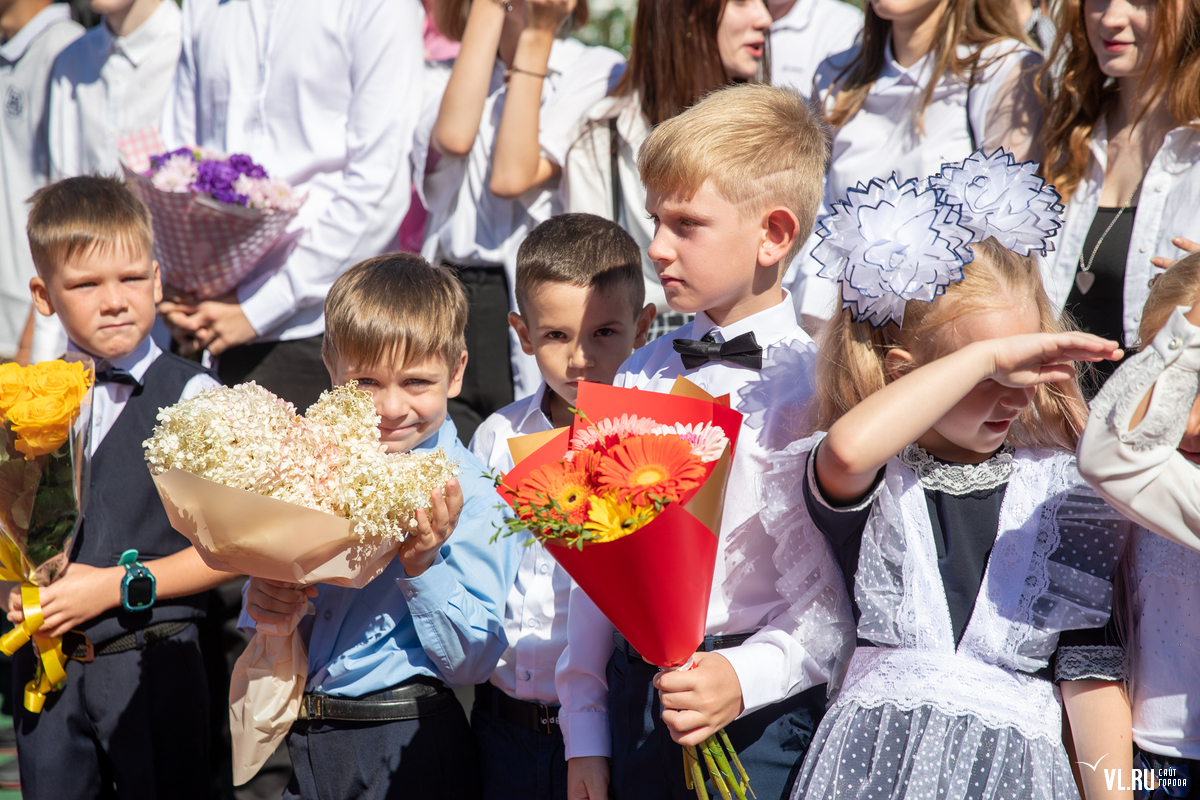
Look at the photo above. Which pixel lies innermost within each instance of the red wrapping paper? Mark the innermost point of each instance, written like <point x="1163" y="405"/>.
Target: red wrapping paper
<point x="654" y="584"/>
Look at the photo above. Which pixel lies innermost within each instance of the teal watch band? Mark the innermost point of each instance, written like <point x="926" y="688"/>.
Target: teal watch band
<point x="138" y="585"/>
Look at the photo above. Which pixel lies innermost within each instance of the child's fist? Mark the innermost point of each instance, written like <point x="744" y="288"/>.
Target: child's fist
<point x="274" y="602"/>
<point x="419" y="550"/>
<point x="700" y="701"/>
<point x="547" y="15"/>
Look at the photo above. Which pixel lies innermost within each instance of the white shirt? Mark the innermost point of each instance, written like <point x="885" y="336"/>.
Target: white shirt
<point x="109" y="399"/>
<point x="25" y="63"/>
<point x="772" y="664"/>
<point x="535" y="614"/>
<point x="587" y="178"/>
<point x="809" y="33"/>
<point x="470" y="226"/>
<point x="104" y="85"/>
<point x="1165" y="209"/>
<point x="881" y="138"/>
<point x="1142" y="474"/>
<point x="324" y="94"/>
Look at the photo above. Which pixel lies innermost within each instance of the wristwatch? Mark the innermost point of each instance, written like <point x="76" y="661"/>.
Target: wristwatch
<point x="137" y="587"/>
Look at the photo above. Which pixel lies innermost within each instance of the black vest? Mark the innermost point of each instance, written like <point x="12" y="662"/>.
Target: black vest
<point x="124" y="510"/>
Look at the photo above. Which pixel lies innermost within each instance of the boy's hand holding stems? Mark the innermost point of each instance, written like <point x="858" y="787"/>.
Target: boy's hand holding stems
<point x="274" y="602"/>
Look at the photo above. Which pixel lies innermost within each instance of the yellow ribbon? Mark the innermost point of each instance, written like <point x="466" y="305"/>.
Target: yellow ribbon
<point x="49" y="648"/>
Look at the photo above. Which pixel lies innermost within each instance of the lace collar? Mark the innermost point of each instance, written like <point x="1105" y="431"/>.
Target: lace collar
<point x="959" y="479"/>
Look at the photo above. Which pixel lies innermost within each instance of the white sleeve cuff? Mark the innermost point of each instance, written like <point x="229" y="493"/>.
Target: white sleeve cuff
<point x="586" y="733"/>
<point x="267" y="300"/>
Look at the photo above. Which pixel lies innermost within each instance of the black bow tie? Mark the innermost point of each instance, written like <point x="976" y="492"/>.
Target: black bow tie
<point x="741" y="350"/>
<point x="117" y="375"/>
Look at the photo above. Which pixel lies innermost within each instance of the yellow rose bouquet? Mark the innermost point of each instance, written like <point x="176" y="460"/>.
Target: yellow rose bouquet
<point x="46" y="414"/>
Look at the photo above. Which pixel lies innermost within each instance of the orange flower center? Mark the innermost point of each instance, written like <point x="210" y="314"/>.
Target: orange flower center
<point x="647" y="475"/>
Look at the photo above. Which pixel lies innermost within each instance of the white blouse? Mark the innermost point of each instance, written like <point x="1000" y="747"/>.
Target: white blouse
<point x="808" y="34"/>
<point x="882" y="138"/>
<point x="1166" y="209"/>
<point x="587" y="177"/>
<point x="1142" y="474"/>
<point x="470" y="226"/>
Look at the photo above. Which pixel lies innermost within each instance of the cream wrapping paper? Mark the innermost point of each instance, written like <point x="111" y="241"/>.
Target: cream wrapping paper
<point x="250" y="534"/>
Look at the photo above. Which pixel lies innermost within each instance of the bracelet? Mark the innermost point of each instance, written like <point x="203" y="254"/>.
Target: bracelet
<point x="507" y="6"/>
<point x="518" y="71"/>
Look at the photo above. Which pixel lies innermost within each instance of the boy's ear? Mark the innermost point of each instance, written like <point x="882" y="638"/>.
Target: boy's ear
<point x="41" y="296"/>
<point x="456" y="377"/>
<point x="781" y="228"/>
<point x="518" y="325"/>
<point x="897" y="363"/>
<point x="158" y="292"/>
<point x="643" y="325"/>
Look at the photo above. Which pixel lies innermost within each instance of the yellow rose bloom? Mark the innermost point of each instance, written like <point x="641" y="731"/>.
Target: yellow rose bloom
<point x="68" y="380"/>
<point x="610" y="519"/>
<point x="42" y="424"/>
<point x="12" y="386"/>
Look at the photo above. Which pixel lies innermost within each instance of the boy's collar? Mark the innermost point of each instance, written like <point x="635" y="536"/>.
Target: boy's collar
<point x="444" y="437"/>
<point x="135" y="363"/>
<point x="12" y="49"/>
<point x="770" y="326"/>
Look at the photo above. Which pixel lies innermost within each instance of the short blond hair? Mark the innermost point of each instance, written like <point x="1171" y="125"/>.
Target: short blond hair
<point x="760" y="146"/>
<point x="90" y="213"/>
<point x="1178" y="286"/>
<point x="395" y="307"/>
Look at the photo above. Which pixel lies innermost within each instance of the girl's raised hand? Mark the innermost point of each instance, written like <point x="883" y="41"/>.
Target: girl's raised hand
<point x="1036" y="358"/>
<point x="547" y="15"/>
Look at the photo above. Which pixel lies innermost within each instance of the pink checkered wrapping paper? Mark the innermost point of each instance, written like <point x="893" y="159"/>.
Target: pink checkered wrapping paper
<point x="204" y="248"/>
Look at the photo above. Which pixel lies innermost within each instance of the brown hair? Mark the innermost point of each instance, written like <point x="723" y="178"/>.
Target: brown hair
<point x="850" y="362"/>
<point x="1076" y="93"/>
<point x="450" y="17"/>
<point x="395" y="307"/>
<point x="1178" y="286"/>
<point x="760" y="146"/>
<point x="581" y="250"/>
<point x="976" y="23"/>
<point x="673" y="59"/>
<point x="78" y="216"/>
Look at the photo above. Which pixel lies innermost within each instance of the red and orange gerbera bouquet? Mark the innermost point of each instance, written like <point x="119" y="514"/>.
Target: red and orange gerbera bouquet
<point x="635" y="488"/>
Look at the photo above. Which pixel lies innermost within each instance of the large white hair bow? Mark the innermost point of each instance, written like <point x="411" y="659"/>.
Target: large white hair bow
<point x="997" y="196"/>
<point x="888" y="243"/>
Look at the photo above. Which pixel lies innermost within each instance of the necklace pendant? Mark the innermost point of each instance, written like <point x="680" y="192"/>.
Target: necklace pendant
<point x="1084" y="281"/>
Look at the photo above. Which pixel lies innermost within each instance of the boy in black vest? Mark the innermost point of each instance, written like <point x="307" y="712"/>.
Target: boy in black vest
<point x="133" y="713"/>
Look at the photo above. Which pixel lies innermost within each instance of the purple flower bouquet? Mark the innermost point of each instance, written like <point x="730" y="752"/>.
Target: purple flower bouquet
<point x="214" y="216"/>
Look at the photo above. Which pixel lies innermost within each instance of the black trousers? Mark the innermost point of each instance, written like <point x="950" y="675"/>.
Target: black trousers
<point x="432" y="758"/>
<point x="292" y="369"/>
<point x="488" y="380"/>
<point x="129" y="725"/>
<point x="647" y="764"/>
<point x="517" y="763"/>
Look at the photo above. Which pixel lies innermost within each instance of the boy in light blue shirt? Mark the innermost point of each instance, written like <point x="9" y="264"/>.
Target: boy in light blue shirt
<point x="381" y="657"/>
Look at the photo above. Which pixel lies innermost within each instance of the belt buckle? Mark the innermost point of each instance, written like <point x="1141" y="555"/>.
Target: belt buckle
<point x="71" y="643"/>
<point x="545" y="720"/>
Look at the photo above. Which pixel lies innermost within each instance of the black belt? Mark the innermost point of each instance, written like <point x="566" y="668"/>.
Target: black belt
<point x="523" y="714"/>
<point x="413" y="699"/>
<point x="709" y="644"/>
<point x="75" y="644"/>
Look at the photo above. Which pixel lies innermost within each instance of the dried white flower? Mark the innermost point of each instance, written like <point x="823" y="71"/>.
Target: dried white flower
<point x="330" y="460"/>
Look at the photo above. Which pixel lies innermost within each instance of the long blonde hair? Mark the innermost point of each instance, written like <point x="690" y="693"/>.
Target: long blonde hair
<point x="851" y="361"/>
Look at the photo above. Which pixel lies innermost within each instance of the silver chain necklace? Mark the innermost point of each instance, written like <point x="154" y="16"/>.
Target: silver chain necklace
<point x="1084" y="279"/>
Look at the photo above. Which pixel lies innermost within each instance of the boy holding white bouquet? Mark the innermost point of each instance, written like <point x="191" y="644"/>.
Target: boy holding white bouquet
<point x="134" y="709"/>
<point x="377" y="718"/>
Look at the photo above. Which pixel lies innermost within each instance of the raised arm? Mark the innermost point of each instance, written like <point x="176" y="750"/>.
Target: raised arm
<point x="1129" y="451"/>
<point x="885" y="423"/>
<point x="470" y="80"/>
<point x="517" y="161"/>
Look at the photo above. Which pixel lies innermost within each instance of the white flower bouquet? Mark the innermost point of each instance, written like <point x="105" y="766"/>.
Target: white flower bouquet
<point x="214" y="216"/>
<point x="264" y="492"/>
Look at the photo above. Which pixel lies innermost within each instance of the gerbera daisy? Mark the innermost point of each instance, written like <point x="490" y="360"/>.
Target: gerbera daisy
<point x="645" y="467"/>
<point x="609" y="519"/>
<point x="707" y="440"/>
<point x="610" y="431"/>
<point x="560" y="485"/>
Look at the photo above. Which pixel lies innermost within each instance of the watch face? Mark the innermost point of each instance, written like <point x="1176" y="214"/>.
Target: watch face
<point x="139" y="593"/>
